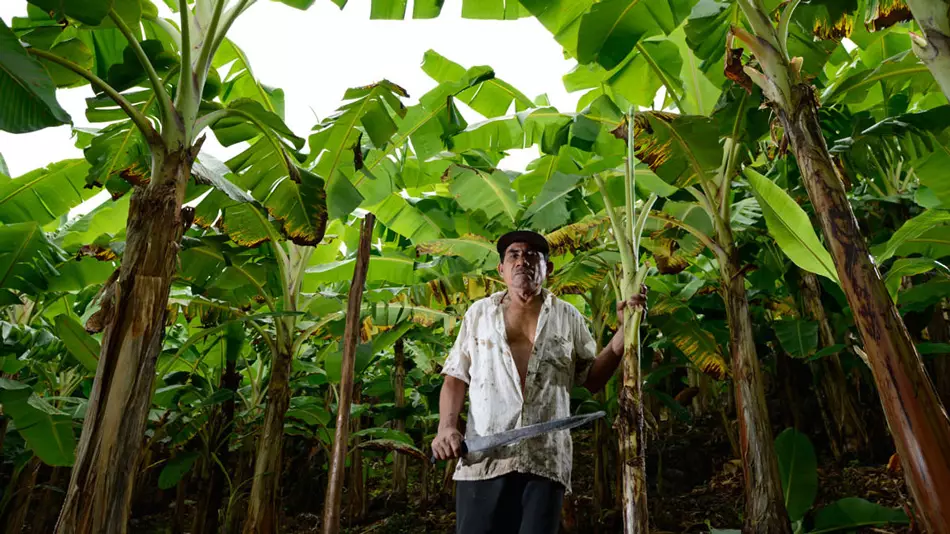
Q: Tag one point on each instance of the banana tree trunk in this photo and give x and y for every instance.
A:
(133, 311)
(765, 505)
(602, 498)
(399, 388)
(14, 513)
(209, 500)
(917, 420)
(843, 423)
(331, 508)
(632, 438)
(933, 47)
(356, 489)
(939, 332)
(50, 500)
(263, 510)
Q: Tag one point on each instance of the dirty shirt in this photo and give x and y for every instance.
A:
(563, 353)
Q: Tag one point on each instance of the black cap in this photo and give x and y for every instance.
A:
(534, 239)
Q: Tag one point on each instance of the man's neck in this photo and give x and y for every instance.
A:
(523, 299)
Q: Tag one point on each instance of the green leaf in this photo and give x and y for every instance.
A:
(392, 268)
(789, 225)
(80, 344)
(610, 30)
(90, 12)
(852, 513)
(492, 9)
(699, 93)
(402, 217)
(176, 468)
(118, 154)
(426, 9)
(74, 50)
(799, 338)
(899, 72)
(129, 72)
(234, 129)
(912, 230)
(44, 195)
(27, 94)
(681, 326)
(302, 4)
(294, 197)
(27, 259)
(635, 80)
(245, 225)
(798, 468)
(474, 249)
(550, 208)
(46, 430)
(932, 168)
(388, 9)
(706, 32)
(909, 267)
(491, 98)
(681, 149)
(475, 189)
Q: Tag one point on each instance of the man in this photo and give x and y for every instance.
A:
(519, 352)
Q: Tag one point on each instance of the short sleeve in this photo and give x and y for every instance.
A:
(585, 348)
(459, 360)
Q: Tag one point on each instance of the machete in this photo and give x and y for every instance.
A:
(484, 443)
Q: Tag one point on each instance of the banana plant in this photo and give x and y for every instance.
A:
(117, 48)
(933, 47)
(913, 410)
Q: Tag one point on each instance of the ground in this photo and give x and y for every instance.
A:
(700, 485)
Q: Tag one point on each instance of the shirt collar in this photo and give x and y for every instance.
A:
(545, 295)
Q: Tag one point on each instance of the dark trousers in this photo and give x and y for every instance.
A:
(515, 503)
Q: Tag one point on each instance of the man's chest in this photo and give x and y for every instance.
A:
(521, 357)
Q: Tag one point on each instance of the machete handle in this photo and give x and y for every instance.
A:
(432, 458)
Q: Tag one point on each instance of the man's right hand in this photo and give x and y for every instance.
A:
(447, 444)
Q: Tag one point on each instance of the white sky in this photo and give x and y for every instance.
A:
(315, 55)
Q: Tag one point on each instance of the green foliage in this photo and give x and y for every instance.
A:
(789, 225)
(798, 468)
(47, 431)
(26, 90)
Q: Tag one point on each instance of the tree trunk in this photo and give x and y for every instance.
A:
(939, 332)
(14, 513)
(765, 505)
(331, 508)
(399, 388)
(916, 418)
(208, 509)
(263, 510)
(602, 497)
(47, 509)
(843, 423)
(178, 518)
(933, 48)
(133, 311)
(356, 488)
(235, 510)
(632, 438)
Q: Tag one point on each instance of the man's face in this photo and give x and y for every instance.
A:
(524, 268)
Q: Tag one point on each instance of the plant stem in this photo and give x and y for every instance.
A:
(164, 101)
(140, 121)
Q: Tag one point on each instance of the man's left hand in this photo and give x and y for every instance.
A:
(636, 302)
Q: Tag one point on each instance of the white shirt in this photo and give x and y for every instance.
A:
(563, 353)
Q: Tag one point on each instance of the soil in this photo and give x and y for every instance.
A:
(700, 486)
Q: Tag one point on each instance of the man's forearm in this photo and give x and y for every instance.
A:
(602, 369)
(451, 400)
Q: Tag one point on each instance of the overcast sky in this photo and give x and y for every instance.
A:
(315, 55)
